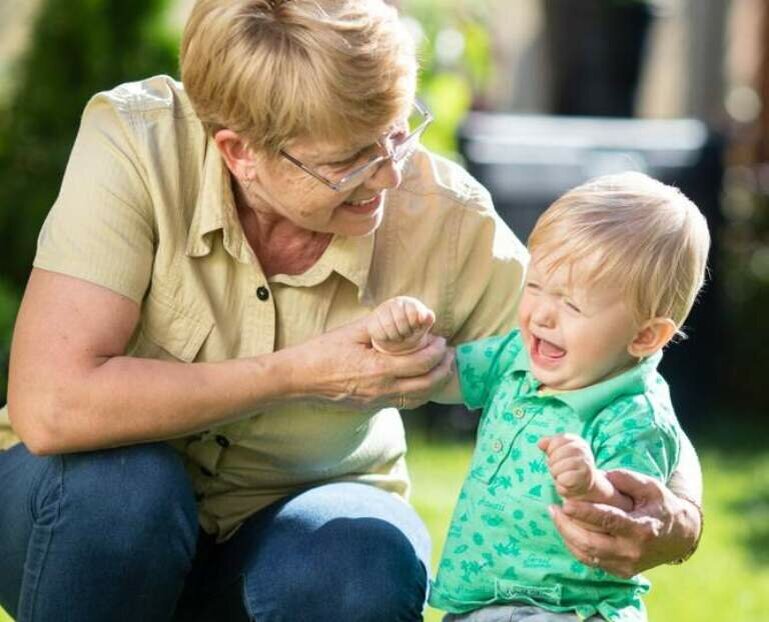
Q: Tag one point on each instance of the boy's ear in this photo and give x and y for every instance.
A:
(652, 336)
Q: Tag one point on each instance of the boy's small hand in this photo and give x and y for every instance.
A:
(400, 325)
(571, 464)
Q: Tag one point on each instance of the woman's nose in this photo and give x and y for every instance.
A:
(387, 176)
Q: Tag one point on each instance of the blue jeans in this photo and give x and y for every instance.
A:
(112, 535)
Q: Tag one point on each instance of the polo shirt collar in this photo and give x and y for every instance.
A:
(587, 402)
(215, 209)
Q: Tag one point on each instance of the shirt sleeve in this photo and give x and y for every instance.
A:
(631, 435)
(481, 364)
(100, 229)
(491, 263)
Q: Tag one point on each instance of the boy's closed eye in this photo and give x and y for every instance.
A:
(572, 305)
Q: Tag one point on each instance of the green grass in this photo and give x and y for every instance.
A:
(728, 579)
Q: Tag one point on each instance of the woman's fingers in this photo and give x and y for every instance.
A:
(417, 363)
(641, 488)
(618, 556)
(418, 389)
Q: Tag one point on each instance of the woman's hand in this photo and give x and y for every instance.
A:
(661, 528)
(342, 366)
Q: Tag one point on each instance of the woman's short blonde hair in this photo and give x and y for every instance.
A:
(274, 70)
(633, 231)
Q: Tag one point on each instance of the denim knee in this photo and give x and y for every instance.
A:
(350, 570)
(132, 500)
(117, 528)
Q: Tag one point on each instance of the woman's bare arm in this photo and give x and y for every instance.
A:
(71, 388)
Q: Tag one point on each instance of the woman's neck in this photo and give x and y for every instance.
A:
(280, 246)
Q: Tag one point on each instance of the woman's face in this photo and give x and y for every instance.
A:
(280, 187)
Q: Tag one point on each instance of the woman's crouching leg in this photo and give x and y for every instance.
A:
(345, 552)
(104, 535)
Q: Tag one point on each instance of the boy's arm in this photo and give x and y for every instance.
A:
(661, 528)
(575, 473)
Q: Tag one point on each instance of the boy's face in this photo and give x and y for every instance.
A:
(576, 335)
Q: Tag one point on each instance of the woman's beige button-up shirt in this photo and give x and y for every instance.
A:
(146, 210)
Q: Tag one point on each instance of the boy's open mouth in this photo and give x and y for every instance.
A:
(547, 349)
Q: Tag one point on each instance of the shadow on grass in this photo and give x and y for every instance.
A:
(741, 443)
(754, 515)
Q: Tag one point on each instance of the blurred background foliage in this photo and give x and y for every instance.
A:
(76, 48)
(456, 64)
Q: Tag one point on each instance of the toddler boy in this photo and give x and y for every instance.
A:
(616, 265)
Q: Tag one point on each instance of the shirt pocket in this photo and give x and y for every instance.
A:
(170, 333)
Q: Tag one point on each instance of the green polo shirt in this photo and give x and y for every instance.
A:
(502, 545)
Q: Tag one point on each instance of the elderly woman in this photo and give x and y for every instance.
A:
(207, 432)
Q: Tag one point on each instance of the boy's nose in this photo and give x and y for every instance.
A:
(544, 315)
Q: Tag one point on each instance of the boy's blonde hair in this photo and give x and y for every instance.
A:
(273, 70)
(633, 231)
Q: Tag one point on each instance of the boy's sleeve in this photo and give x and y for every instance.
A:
(481, 363)
(631, 435)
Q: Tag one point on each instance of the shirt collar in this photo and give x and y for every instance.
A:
(215, 209)
(587, 402)
(350, 257)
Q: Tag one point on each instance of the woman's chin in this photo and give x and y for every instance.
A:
(354, 224)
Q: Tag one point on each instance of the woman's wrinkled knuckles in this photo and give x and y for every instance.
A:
(649, 530)
(613, 522)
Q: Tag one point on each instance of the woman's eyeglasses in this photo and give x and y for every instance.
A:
(397, 145)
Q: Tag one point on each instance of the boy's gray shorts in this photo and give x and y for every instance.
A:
(515, 613)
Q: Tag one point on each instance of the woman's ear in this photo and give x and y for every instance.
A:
(236, 153)
(652, 336)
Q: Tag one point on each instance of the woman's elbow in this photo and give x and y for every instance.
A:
(34, 422)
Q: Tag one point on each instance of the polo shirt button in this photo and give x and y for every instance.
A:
(206, 472)
(496, 446)
(222, 441)
(519, 412)
(262, 293)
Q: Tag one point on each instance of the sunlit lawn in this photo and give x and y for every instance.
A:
(728, 579)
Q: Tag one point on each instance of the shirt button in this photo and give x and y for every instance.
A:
(496, 446)
(519, 412)
(262, 293)
(222, 441)
(206, 472)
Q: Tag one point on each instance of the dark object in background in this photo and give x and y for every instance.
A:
(526, 162)
(595, 51)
